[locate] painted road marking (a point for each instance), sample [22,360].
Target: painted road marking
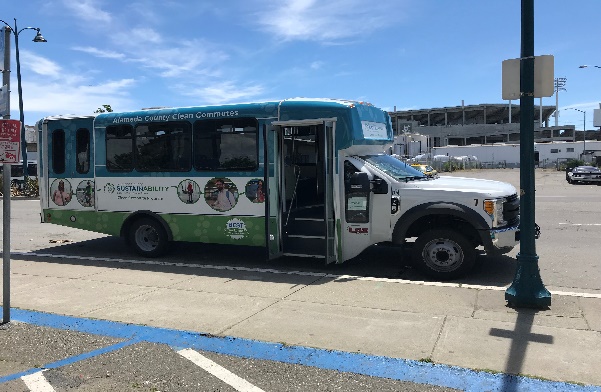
[218,371]
[46,319]
[300,273]
[369,365]
[36,382]
[580,224]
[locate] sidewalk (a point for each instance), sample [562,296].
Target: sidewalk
[469,326]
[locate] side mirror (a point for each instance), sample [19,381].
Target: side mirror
[380,186]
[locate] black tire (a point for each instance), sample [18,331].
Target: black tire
[443,254]
[148,237]
[570,180]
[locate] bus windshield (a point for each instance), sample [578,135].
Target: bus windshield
[395,168]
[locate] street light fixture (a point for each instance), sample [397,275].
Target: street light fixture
[586,66]
[38,38]
[559,86]
[584,132]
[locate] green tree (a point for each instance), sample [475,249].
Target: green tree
[104,109]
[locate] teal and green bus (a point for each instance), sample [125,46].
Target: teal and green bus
[267,174]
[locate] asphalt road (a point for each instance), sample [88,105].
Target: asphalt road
[567,214]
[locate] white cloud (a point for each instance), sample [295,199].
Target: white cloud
[88,10]
[331,20]
[60,98]
[109,54]
[223,92]
[316,64]
[40,65]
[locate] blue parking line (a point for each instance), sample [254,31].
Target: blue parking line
[370,365]
[70,360]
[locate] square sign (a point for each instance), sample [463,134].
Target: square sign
[10,141]
[597,118]
[543,77]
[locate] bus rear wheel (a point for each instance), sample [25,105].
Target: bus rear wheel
[148,237]
[443,254]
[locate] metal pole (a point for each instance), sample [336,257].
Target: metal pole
[21,114]
[6,244]
[556,102]
[6,176]
[6,69]
[527,289]
[540,112]
[584,138]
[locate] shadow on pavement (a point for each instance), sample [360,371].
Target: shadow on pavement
[377,261]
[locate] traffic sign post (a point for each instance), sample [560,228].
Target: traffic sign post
[10,149]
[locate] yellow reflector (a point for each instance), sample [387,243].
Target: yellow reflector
[489,206]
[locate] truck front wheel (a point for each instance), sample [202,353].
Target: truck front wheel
[443,254]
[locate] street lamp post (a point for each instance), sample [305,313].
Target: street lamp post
[584,132]
[38,38]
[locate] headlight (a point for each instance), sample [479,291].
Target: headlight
[494,209]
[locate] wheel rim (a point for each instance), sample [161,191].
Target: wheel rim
[147,238]
[443,255]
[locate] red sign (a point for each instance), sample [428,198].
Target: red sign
[10,141]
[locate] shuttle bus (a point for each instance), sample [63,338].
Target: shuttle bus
[299,177]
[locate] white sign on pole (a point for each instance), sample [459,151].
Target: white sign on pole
[543,77]
[10,141]
[597,118]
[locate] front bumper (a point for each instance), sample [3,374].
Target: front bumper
[504,240]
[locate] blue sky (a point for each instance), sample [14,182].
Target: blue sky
[408,54]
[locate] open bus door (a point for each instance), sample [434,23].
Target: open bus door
[272,165]
[300,183]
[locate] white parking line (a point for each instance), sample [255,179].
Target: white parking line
[36,382]
[300,273]
[580,224]
[218,371]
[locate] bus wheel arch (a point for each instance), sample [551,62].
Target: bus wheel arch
[147,233]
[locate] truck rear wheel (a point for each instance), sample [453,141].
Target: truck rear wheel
[443,254]
[148,238]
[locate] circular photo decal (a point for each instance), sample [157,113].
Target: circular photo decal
[188,191]
[255,190]
[221,194]
[60,192]
[85,193]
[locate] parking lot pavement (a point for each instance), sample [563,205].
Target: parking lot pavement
[119,323]
[426,333]
[51,352]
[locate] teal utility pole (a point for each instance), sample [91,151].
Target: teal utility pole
[527,289]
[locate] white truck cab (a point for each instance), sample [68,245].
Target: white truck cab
[448,217]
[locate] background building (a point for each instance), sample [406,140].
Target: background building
[477,124]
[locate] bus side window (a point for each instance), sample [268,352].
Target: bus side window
[226,144]
[163,147]
[82,142]
[119,148]
[58,151]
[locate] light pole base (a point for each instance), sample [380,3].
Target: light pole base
[527,289]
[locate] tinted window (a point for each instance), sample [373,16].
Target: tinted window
[58,151]
[119,148]
[164,147]
[226,144]
[82,146]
